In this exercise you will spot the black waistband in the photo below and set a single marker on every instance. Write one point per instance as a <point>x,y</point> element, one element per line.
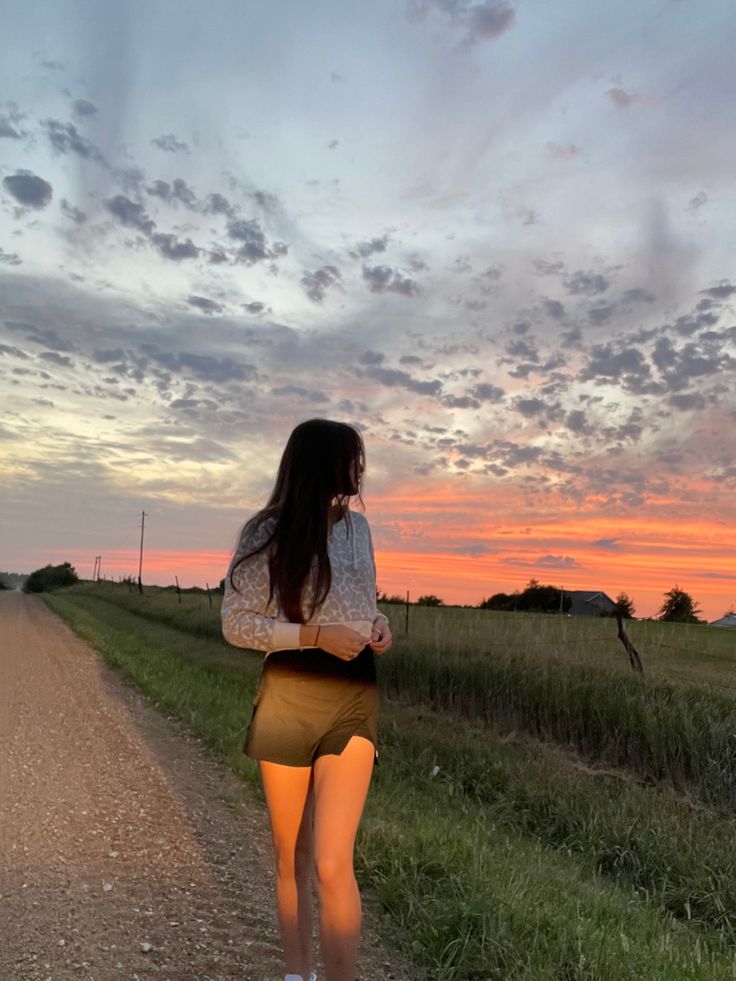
<point>314,659</point>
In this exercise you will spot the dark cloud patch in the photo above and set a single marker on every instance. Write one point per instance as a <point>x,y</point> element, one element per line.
<point>601,313</point>
<point>547,267</point>
<point>84,109</point>
<point>577,422</point>
<point>609,544</point>
<point>43,336</point>
<point>170,144</point>
<point>485,392</point>
<point>170,248</point>
<point>586,283</point>
<point>216,204</point>
<point>291,391</point>
<point>201,366</point>
<point>64,138</point>
<point>204,304</point>
<point>54,358</point>
<point>409,359</point>
<point>606,362</point>
<point>638,295</point>
<point>178,192</point>
<point>530,407</point>
<point>371,357</point>
<point>522,349</point>
<point>393,378</point>
<point>620,98</point>
<point>73,213</point>
<point>554,308</point>
<point>364,249</point>
<point>460,402</point>
<point>489,20</point>
<point>130,214</point>
<point>687,401</point>
<point>720,292</point>
<point>696,202</point>
<point>28,189</point>
<point>253,247</point>
<point>10,258</point>
<point>265,200</point>
<point>316,284</point>
<point>479,22</point>
<point>13,351</point>
<point>254,306</point>
<point>557,562</point>
<point>383,279</point>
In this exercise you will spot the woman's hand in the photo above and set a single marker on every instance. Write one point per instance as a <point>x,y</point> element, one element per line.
<point>342,641</point>
<point>381,638</point>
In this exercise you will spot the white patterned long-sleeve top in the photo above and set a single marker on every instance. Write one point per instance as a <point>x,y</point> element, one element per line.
<point>250,620</point>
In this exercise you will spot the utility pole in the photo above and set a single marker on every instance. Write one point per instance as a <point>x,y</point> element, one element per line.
<point>140,562</point>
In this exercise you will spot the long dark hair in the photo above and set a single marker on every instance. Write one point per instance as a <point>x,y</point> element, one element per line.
<point>323,461</point>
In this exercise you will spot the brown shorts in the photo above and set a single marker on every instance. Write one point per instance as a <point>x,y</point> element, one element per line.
<point>309,703</point>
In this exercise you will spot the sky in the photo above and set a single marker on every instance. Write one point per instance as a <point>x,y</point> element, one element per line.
<point>497,237</point>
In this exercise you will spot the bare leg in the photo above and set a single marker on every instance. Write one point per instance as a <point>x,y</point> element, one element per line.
<point>340,789</point>
<point>289,796</point>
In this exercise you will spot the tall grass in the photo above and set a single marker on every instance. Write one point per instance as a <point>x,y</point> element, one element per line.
<point>483,869</point>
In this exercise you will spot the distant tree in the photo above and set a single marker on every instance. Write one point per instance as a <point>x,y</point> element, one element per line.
<point>679,607</point>
<point>51,577</point>
<point>430,600</point>
<point>625,606</point>
<point>3,584</point>
<point>499,601</point>
<point>537,598</point>
<point>394,598</point>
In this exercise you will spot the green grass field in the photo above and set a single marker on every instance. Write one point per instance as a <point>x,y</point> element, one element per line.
<point>540,812</point>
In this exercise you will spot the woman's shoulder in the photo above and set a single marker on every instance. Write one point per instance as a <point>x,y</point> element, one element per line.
<point>257,530</point>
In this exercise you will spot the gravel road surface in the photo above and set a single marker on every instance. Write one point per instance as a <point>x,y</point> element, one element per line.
<point>126,850</point>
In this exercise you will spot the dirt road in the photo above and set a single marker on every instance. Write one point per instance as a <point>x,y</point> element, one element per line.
<point>126,851</point>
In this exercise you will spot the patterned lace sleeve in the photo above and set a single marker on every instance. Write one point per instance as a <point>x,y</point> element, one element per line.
<point>248,620</point>
<point>376,611</point>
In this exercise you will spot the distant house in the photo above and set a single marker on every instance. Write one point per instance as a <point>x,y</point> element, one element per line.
<point>589,603</point>
<point>727,620</point>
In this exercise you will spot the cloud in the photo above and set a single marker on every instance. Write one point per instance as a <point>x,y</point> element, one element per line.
<point>176,192</point>
<point>391,377</point>
<point>253,248</point>
<point>586,283</point>
<point>83,109</point>
<point>72,212</point>
<point>557,562</point>
<point>28,189</point>
<point>317,283</point>
<point>169,144</point>
<point>310,395</point>
<point>483,21</point>
<point>720,292</point>
<point>10,258</point>
<point>383,279</point>
<point>204,304</point>
<point>364,249</point>
<point>214,204</point>
<point>130,214</point>
<point>65,138</point>
<point>621,98</point>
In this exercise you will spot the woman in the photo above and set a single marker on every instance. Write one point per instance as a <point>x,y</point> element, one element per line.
<point>301,586</point>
